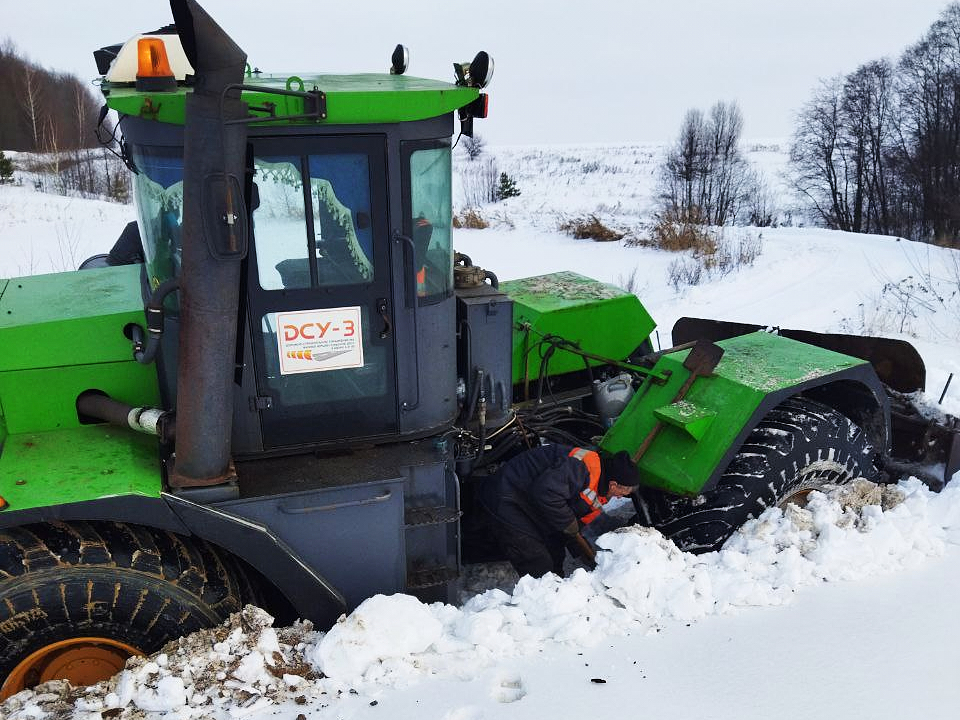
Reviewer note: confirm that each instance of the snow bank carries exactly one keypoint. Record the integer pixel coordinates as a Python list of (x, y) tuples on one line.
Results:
[(44, 233), (642, 582)]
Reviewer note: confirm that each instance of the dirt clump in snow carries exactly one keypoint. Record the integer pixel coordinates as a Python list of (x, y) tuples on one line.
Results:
[(234, 669), (861, 493)]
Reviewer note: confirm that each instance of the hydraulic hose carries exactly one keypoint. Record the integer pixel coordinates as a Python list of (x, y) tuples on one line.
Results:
[(151, 421), (146, 352)]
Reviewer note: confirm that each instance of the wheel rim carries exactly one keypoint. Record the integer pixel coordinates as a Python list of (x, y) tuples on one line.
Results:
[(816, 476), (82, 661)]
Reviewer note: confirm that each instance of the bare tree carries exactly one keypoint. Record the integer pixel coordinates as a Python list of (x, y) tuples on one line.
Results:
[(704, 176), (879, 150), (818, 154), (929, 131), (479, 183), (473, 146), (726, 176), (684, 167), (31, 100)]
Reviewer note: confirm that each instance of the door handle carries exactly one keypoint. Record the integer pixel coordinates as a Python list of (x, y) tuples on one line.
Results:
[(385, 314), (409, 268)]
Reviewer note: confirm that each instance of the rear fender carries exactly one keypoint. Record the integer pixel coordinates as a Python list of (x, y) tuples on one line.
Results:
[(696, 438), (310, 594), (896, 362), (917, 441)]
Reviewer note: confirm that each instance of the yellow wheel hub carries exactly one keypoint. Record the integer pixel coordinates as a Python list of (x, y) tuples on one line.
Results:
[(83, 661)]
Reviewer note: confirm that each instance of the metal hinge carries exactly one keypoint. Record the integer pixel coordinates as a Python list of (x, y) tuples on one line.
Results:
[(261, 402)]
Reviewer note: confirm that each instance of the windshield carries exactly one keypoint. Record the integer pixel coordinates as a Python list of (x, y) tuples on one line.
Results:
[(158, 191)]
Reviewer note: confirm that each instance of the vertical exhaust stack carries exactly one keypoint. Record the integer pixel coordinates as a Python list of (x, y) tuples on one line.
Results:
[(214, 243)]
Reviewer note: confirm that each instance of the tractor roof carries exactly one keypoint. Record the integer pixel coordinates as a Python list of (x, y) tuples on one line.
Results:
[(350, 99), (149, 76)]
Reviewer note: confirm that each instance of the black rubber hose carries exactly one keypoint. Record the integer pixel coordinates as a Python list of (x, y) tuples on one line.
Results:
[(97, 406), (146, 353), (474, 396), (101, 407)]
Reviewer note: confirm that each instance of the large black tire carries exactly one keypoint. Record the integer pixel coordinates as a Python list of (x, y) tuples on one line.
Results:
[(139, 586), (800, 446)]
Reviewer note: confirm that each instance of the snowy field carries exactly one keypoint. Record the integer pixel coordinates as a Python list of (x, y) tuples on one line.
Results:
[(846, 609)]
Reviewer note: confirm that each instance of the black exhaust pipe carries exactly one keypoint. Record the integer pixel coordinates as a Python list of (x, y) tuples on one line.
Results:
[(214, 243)]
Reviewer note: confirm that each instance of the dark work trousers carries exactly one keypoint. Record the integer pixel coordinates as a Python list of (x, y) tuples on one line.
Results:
[(530, 550), (528, 554)]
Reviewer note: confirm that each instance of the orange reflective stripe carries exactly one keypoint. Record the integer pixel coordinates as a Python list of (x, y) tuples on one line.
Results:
[(590, 517), (422, 275), (589, 494)]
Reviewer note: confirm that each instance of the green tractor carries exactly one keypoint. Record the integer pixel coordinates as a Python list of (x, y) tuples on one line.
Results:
[(282, 384)]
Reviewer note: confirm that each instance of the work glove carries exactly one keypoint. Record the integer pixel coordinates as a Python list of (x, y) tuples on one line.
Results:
[(581, 548), (572, 530)]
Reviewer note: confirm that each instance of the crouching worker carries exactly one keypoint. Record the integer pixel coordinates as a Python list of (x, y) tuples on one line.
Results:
[(539, 500)]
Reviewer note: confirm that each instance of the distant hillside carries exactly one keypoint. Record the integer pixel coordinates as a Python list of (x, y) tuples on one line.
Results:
[(42, 110), (617, 183)]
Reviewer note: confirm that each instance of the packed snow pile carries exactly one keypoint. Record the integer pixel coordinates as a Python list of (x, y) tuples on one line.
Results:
[(642, 582)]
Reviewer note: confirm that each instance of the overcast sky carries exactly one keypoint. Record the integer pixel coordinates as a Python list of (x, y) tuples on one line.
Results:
[(566, 72)]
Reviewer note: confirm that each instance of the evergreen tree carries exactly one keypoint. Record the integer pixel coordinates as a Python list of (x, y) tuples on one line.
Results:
[(507, 187), (6, 169)]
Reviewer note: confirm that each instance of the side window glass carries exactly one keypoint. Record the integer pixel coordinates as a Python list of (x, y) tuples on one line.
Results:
[(430, 200), (159, 191), (328, 244), (280, 224), (343, 236)]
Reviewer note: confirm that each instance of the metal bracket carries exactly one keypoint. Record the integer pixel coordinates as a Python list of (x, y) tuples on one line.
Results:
[(260, 402)]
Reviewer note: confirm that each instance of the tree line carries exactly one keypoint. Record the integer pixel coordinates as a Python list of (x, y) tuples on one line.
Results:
[(55, 116), (43, 111), (878, 150)]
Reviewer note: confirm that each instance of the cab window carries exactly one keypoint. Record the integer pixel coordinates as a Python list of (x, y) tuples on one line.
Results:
[(312, 223), (429, 218)]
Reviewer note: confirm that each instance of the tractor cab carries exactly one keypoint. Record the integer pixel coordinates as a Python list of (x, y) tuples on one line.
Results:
[(347, 285)]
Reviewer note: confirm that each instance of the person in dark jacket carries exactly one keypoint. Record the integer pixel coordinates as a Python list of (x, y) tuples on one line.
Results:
[(539, 500)]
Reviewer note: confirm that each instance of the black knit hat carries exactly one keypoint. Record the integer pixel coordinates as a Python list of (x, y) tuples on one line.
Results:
[(620, 469)]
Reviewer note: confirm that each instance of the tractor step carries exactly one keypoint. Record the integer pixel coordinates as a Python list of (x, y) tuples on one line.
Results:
[(420, 516), (430, 577)]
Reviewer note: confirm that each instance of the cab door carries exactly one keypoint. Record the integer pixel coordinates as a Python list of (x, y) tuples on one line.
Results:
[(319, 291)]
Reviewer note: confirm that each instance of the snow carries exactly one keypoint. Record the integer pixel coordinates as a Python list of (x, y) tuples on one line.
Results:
[(845, 608), (44, 233)]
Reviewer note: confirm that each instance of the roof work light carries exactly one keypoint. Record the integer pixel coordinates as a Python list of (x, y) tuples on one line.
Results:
[(153, 66), (154, 61)]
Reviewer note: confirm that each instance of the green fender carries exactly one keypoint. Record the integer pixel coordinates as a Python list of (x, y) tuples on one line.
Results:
[(701, 433)]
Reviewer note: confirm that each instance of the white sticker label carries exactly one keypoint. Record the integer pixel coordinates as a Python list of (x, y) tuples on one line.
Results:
[(319, 340)]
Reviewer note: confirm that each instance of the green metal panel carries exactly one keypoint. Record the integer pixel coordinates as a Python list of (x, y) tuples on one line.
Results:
[(3, 422), (602, 319), (61, 335), (72, 318), (698, 431), (53, 408), (68, 466), (351, 99)]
